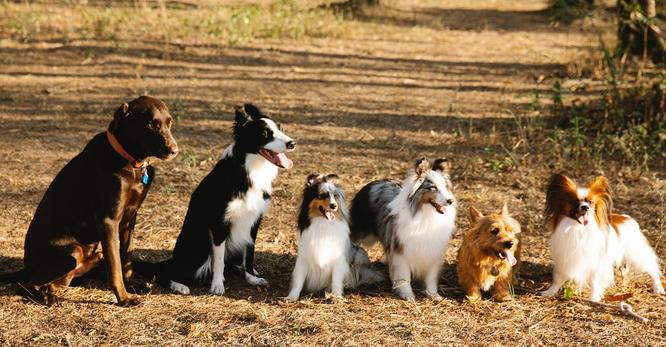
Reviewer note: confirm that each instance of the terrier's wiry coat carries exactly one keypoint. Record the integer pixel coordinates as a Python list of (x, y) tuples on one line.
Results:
[(489, 255)]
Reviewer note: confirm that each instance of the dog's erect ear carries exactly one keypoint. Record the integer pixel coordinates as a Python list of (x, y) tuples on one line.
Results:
[(241, 116), (474, 215), (442, 165), (421, 166), (599, 184), (603, 202), (332, 178), (120, 113), (505, 210), (314, 179), (253, 111)]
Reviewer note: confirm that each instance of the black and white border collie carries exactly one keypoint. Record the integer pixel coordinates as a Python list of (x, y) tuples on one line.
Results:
[(226, 209), (414, 222), (327, 259)]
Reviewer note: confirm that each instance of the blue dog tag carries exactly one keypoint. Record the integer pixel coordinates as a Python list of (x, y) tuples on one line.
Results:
[(145, 179)]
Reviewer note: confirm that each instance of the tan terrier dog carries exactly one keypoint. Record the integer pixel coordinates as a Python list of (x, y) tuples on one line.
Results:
[(489, 255)]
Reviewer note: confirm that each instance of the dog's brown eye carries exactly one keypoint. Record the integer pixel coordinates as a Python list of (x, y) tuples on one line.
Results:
[(495, 231), (154, 124)]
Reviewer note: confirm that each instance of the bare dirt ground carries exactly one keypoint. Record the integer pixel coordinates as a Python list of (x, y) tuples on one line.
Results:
[(437, 78)]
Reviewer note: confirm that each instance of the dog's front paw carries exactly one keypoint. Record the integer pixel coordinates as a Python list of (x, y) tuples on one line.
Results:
[(502, 298), (549, 293), (473, 298), (291, 297), (179, 288), (254, 280), (129, 301), (434, 295), (217, 288), (408, 296)]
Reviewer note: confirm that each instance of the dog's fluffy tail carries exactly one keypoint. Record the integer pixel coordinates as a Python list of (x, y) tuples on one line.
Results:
[(20, 276)]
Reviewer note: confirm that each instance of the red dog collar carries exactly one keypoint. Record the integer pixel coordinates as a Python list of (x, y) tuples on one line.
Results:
[(122, 152)]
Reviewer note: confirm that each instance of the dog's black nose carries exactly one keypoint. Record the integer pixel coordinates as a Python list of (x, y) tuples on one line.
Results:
[(449, 201), (508, 244), (333, 206), (291, 144), (585, 208)]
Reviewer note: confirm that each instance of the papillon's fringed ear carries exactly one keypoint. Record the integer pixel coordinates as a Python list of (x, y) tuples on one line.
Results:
[(253, 111), (314, 179), (561, 191), (603, 202), (599, 184), (421, 166), (120, 113), (474, 215), (442, 165), (333, 178)]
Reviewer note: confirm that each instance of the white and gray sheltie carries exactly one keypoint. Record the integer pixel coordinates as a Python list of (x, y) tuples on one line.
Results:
[(327, 259), (414, 223)]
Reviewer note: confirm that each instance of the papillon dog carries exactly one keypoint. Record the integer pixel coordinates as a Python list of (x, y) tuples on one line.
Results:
[(413, 221), (327, 259), (588, 241)]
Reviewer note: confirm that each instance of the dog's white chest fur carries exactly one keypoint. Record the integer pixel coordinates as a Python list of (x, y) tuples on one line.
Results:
[(243, 212), (424, 237), (582, 252), (489, 281), (324, 242), (323, 245)]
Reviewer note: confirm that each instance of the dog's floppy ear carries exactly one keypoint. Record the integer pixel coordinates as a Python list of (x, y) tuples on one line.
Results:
[(442, 165), (332, 178), (253, 111), (421, 166), (314, 179), (120, 113), (474, 215)]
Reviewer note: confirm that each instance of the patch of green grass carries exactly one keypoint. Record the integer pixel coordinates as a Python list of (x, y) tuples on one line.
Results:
[(204, 23)]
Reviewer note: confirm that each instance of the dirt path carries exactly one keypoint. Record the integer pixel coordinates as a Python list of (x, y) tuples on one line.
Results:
[(406, 81)]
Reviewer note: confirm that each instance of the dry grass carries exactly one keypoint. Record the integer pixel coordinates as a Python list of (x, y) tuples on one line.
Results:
[(395, 85)]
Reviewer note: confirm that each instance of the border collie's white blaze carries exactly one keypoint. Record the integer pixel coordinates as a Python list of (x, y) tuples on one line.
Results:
[(414, 224), (326, 257), (588, 240), (227, 207)]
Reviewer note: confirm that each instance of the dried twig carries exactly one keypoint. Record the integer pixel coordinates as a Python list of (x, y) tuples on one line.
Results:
[(623, 307)]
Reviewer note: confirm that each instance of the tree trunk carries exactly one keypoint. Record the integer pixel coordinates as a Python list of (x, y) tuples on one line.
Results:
[(638, 33)]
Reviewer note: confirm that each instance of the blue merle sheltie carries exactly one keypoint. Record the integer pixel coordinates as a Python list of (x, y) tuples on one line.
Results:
[(226, 209), (327, 259), (413, 221)]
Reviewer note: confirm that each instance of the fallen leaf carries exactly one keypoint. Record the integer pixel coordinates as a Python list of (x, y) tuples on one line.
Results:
[(618, 297)]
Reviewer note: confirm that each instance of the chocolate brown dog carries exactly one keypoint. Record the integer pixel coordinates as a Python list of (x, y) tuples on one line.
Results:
[(94, 199)]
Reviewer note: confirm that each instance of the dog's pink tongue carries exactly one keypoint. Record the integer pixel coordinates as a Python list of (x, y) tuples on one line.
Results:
[(508, 256), (583, 219), (330, 215), (283, 161)]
